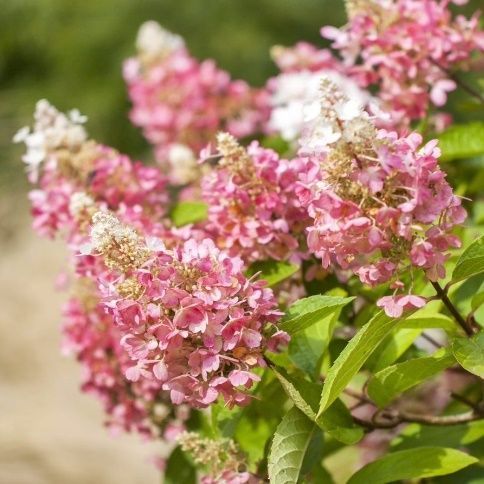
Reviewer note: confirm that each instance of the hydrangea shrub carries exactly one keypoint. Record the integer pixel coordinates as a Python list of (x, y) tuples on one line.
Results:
[(292, 291)]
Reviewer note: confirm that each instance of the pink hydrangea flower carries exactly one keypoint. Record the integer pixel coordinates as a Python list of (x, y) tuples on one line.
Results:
[(395, 306), (379, 202), (303, 56), (90, 334), (177, 99), (187, 316), (406, 48), (77, 177), (254, 212)]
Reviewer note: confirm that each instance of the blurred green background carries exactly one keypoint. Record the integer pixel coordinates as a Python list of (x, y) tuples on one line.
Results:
[(71, 51)]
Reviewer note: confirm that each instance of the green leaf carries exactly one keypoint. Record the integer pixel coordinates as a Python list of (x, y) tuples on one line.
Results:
[(259, 420), (320, 475), (471, 262), (418, 462), (179, 470), (415, 435), (428, 321), (304, 394), (184, 213), (289, 446), (272, 271), (252, 434), (469, 475), (313, 456), (469, 352), (336, 421), (310, 310), (463, 297), (276, 143), (307, 347), (224, 419), (392, 347), (354, 355), (387, 384), (477, 301), (462, 141)]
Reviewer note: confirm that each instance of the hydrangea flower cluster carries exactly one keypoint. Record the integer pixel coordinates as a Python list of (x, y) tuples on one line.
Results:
[(407, 49), (188, 316), (90, 335), (377, 200), (254, 212), (77, 177), (222, 459), (75, 173), (177, 99)]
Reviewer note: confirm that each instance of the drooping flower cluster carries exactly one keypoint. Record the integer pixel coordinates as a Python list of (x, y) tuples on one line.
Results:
[(221, 458), (408, 49), (380, 203), (90, 335), (76, 178), (188, 316), (253, 209), (177, 99)]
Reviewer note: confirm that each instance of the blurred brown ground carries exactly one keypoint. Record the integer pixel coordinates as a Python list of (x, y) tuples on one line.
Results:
[(50, 433)]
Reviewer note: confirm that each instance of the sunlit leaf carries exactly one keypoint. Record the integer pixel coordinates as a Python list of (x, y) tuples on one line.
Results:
[(354, 355), (462, 141), (471, 262), (308, 346), (428, 321), (389, 383), (310, 310), (184, 213), (392, 347), (417, 435), (418, 462), (289, 447), (336, 421), (469, 352), (477, 300), (272, 271)]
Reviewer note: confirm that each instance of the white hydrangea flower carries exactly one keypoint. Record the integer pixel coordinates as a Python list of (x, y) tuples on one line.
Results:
[(292, 94), (296, 100), (77, 117), (154, 244), (341, 115), (107, 228), (79, 202), (154, 41), (52, 130), (183, 164), (318, 137)]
